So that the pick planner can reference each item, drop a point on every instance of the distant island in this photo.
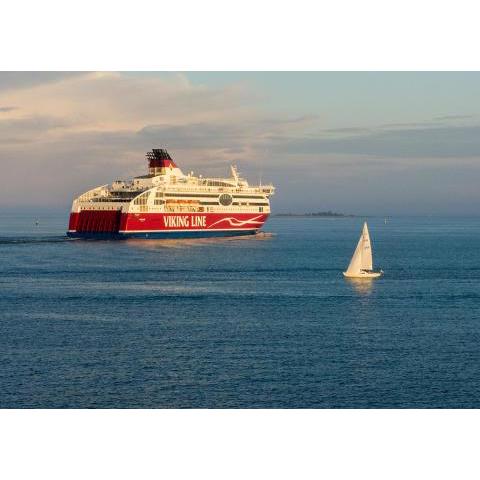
(314, 214)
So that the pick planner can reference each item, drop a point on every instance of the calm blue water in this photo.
(241, 323)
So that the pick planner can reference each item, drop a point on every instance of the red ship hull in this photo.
(115, 224)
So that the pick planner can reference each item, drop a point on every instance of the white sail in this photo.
(367, 263)
(356, 261)
(362, 257)
(361, 265)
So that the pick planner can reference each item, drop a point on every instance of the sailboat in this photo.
(361, 264)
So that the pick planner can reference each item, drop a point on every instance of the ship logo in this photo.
(234, 222)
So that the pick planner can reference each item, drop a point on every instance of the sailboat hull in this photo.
(363, 275)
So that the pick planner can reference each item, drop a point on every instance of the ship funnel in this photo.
(159, 160)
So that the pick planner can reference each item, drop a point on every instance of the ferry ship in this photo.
(166, 203)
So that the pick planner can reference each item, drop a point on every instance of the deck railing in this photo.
(103, 194)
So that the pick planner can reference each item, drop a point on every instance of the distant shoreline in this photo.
(315, 214)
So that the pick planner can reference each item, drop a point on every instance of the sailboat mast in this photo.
(367, 260)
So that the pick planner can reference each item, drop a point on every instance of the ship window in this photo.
(260, 209)
(217, 183)
(142, 199)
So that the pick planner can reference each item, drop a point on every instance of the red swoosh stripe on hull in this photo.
(97, 221)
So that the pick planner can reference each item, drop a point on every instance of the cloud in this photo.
(108, 101)
(228, 134)
(21, 80)
(453, 117)
(64, 133)
(196, 135)
(30, 129)
(450, 142)
(348, 130)
(79, 130)
(388, 126)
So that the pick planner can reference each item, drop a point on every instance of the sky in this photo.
(366, 143)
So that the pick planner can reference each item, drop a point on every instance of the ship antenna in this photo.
(261, 166)
(234, 170)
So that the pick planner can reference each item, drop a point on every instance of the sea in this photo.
(260, 322)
